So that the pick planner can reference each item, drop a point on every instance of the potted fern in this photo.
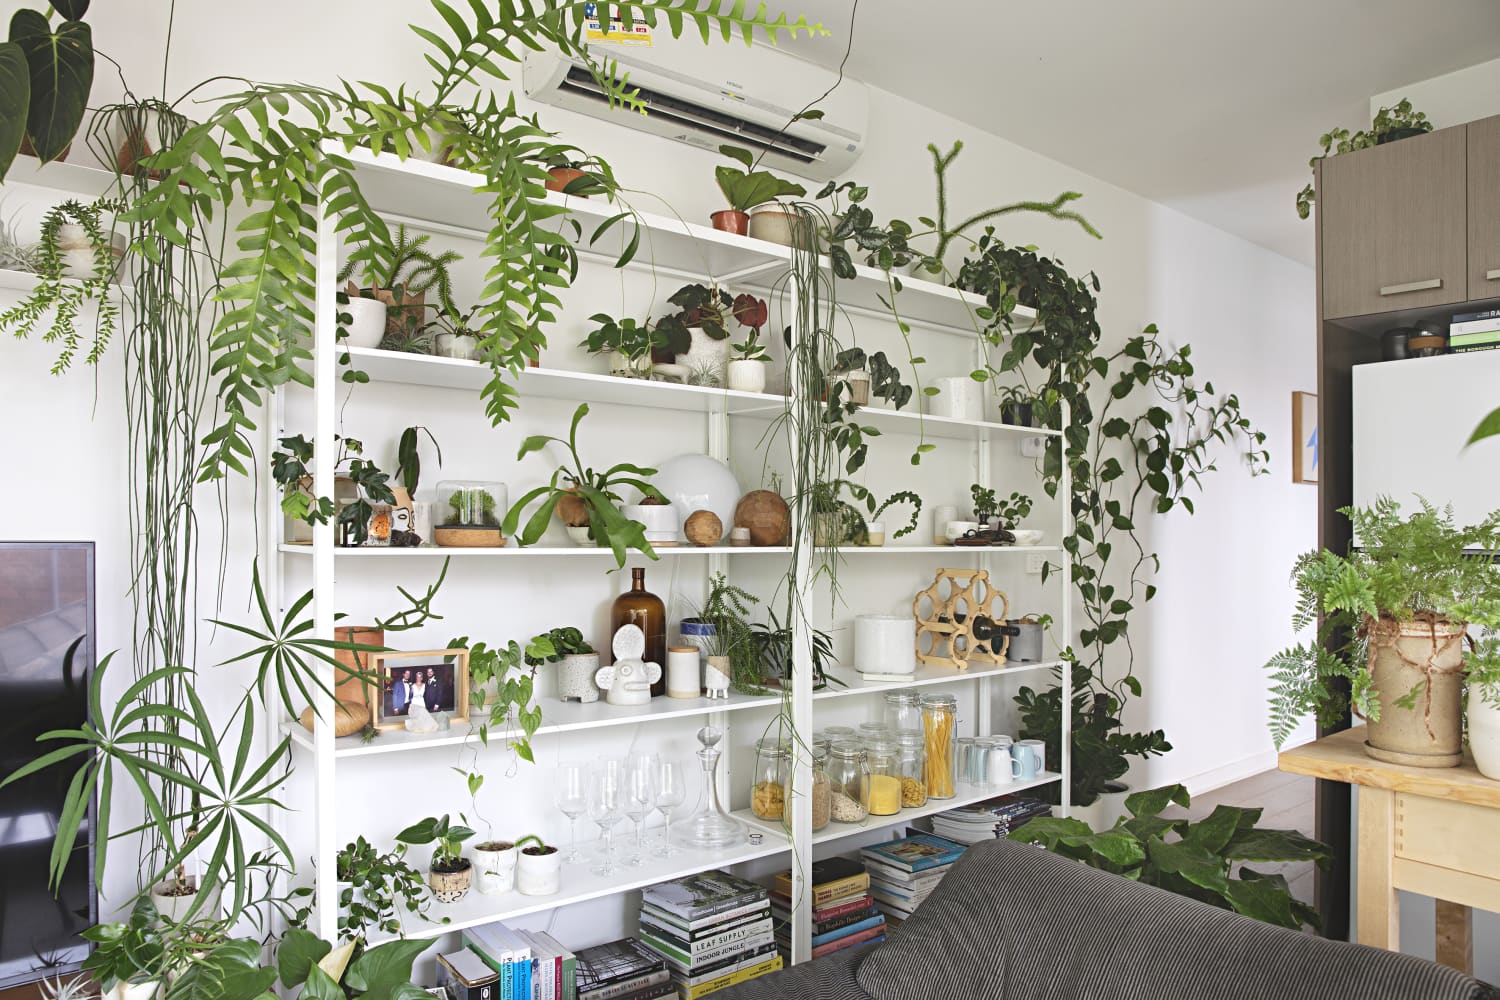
(1392, 619)
(399, 278)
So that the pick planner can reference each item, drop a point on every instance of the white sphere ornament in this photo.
(697, 482)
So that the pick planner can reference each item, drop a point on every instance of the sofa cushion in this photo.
(1014, 922)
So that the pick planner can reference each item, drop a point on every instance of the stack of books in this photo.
(904, 872)
(988, 820)
(1474, 331)
(712, 930)
(530, 965)
(844, 914)
(622, 970)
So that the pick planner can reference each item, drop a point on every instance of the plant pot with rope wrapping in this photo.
(1417, 670)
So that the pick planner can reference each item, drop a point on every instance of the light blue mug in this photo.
(1024, 762)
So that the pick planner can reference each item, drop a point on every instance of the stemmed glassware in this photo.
(640, 799)
(571, 797)
(671, 792)
(606, 803)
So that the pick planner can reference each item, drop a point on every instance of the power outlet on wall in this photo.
(1032, 447)
(1035, 561)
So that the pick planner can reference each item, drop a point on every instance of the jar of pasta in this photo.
(939, 712)
(772, 772)
(885, 781)
(911, 763)
(849, 782)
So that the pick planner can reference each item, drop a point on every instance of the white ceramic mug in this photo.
(1041, 752)
(1023, 762)
(940, 518)
(1000, 761)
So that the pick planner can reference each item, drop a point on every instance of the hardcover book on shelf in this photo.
(567, 964)
(704, 935)
(885, 873)
(833, 878)
(705, 894)
(625, 961)
(872, 936)
(713, 970)
(857, 928)
(916, 853)
(784, 921)
(668, 919)
(763, 965)
(830, 911)
(691, 955)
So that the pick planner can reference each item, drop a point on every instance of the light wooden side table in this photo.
(1433, 831)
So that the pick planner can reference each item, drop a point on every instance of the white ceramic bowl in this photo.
(1028, 536)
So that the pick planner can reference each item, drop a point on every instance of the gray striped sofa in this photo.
(1014, 922)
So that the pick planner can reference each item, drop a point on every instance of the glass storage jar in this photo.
(822, 789)
(910, 768)
(849, 782)
(469, 513)
(885, 782)
(772, 769)
(963, 756)
(903, 711)
(939, 712)
(836, 733)
(871, 732)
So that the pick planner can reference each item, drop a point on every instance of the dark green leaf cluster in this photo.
(1204, 860)
(380, 887)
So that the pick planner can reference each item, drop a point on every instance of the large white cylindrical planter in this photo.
(366, 327)
(958, 397)
(885, 644)
(1484, 734)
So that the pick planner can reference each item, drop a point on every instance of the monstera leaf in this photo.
(61, 67)
(232, 971)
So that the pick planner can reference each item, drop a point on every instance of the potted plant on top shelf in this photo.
(585, 498)
(750, 188)
(1400, 121)
(702, 322)
(629, 345)
(571, 171)
(398, 278)
(450, 873)
(1392, 617)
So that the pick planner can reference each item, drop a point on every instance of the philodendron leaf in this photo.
(1153, 801)
(298, 952)
(15, 96)
(231, 971)
(1275, 845)
(1262, 899)
(71, 10)
(1190, 862)
(61, 67)
(382, 970)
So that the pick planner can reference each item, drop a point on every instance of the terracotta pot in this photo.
(730, 221)
(350, 688)
(450, 887)
(572, 510)
(1427, 656)
(559, 178)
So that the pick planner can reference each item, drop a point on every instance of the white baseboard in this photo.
(1228, 774)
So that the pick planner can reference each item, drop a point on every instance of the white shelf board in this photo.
(580, 885)
(951, 550)
(966, 795)
(928, 303)
(430, 192)
(68, 178)
(557, 717)
(377, 552)
(911, 422)
(924, 676)
(26, 281)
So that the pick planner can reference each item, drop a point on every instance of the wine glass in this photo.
(571, 797)
(606, 802)
(640, 799)
(671, 792)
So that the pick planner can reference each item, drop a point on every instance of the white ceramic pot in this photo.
(661, 521)
(959, 398)
(1484, 733)
(495, 871)
(580, 536)
(458, 346)
(705, 354)
(874, 533)
(539, 874)
(575, 677)
(135, 991)
(747, 376)
(773, 223)
(885, 644)
(1112, 804)
(1028, 536)
(367, 322)
(175, 908)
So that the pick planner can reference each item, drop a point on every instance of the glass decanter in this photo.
(710, 826)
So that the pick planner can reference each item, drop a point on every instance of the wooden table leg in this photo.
(1455, 936)
(1378, 915)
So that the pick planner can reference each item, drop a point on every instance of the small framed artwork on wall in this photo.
(417, 686)
(1305, 447)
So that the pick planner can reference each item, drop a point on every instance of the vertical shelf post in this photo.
(800, 799)
(1065, 492)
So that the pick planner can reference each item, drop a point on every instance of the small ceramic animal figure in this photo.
(629, 681)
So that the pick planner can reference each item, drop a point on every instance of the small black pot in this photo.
(1397, 134)
(1393, 344)
(1019, 414)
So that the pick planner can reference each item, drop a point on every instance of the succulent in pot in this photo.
(450, 873)
(579, 662)
(1392, 620)
(746, 189)
(539, 867)
(746, 371)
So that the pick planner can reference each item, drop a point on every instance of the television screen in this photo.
(46, 604)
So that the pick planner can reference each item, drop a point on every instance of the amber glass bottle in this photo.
(639, 607)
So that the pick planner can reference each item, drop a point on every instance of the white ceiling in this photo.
(1207, 106)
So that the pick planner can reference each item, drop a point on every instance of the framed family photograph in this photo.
(413, 685)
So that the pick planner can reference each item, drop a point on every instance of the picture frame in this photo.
(439, 677)
(1306, 449)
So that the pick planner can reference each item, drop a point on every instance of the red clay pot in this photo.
(561, 177)
(730, 221)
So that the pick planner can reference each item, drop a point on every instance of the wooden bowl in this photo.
(459, 536)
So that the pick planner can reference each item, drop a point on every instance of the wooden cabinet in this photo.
(1484, 208)
(1393, 231)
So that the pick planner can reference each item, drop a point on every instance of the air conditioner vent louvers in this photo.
(733, 130)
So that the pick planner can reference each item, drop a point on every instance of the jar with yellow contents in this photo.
(911, 763)
(772, 772)
(939, 713)
(885, 781)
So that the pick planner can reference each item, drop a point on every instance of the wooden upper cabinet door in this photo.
(1393, 233)
(1484, 208)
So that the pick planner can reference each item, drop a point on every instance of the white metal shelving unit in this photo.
(445, 200)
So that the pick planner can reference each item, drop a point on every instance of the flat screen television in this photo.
(46, 604)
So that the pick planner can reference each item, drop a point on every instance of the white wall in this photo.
(1224, 603)
(1451, 99)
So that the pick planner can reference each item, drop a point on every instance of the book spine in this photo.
(715, 943)
(831, 912)
(656, 992)
(691, 927)
(1475, 348)
(1476, 326)
(700, 913)
(1470, 317)
(843, 932)
(1468, 339)
(675, 932)
(626, 986)
(713, 970)
(772, 964)
(685, 963)
(570, 977)
(825, 895)
(864, 937)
